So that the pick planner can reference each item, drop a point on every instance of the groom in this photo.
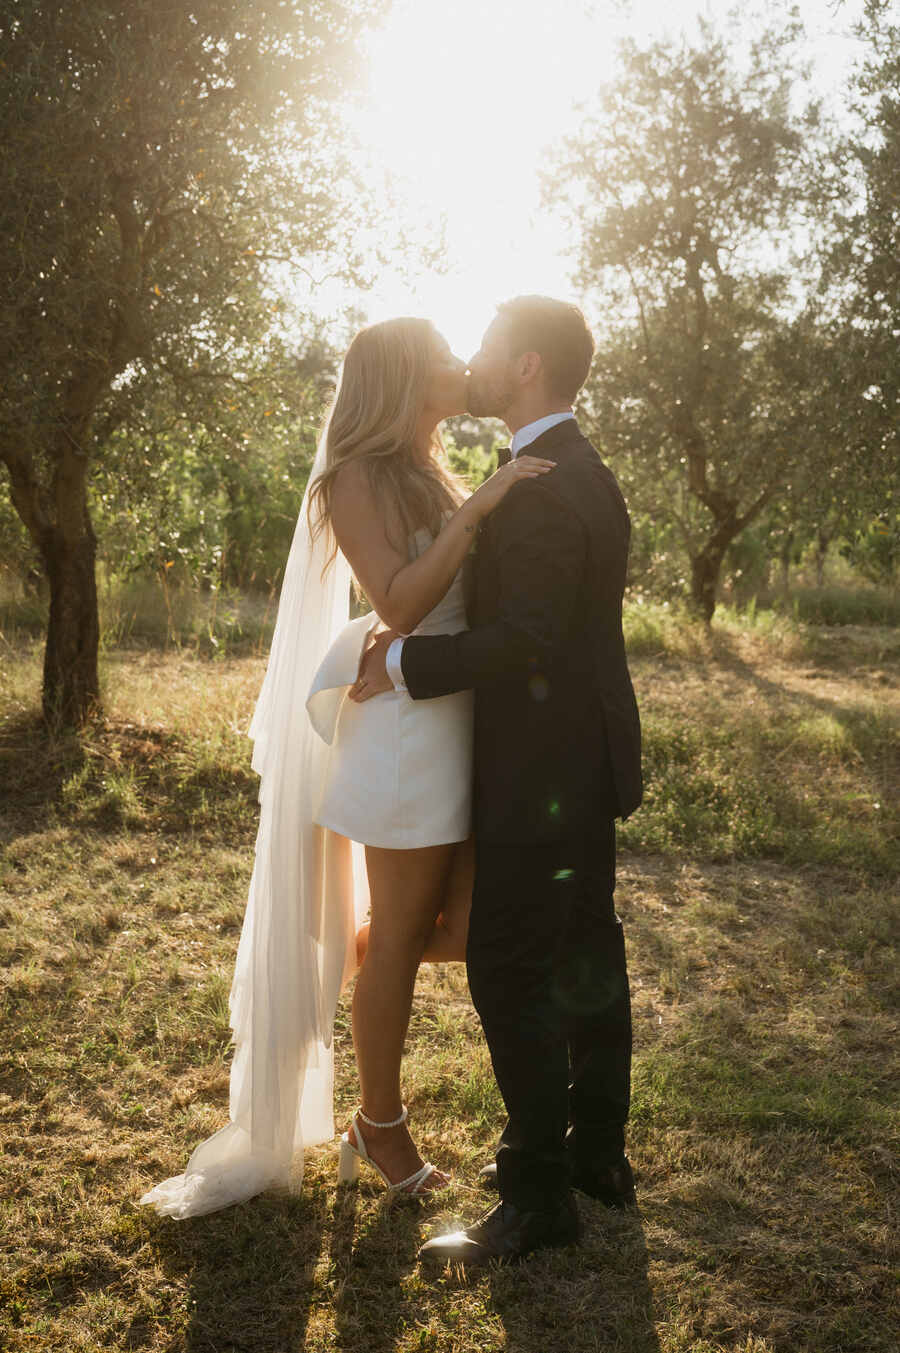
(557, 759)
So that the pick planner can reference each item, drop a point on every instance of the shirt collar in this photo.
(531, 431)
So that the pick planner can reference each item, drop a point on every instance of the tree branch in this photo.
(26, 493)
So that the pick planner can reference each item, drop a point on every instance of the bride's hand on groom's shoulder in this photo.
(494, 490)
(372, 678)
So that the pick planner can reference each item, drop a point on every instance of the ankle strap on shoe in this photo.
(395, 1122)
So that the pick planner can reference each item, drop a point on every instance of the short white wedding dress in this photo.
(390, 772)
(399, 773)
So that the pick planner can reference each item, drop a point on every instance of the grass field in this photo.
(758, 887)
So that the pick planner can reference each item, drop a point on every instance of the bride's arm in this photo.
(402, 593)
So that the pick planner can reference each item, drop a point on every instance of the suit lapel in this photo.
(555, 444)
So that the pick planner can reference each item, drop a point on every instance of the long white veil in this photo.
(297, 943)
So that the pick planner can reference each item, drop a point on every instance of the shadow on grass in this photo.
(750, 767)
(775, 1083)
(250, 1273)
(575, 1299)
(34, 764)
(372, 1255)
(112, 776)
(778, 1012)
(596, 1296)
(725, 650)
(257, 1274)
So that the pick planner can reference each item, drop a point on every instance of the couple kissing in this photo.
(449, 765)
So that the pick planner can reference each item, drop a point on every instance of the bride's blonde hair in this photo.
(373, 419)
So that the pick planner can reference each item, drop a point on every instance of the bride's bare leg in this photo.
(362, 943)
(447, 941)
(407, 890)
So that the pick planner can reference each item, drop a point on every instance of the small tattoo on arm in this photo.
(470, 529)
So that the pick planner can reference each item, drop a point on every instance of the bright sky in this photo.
(463, 100)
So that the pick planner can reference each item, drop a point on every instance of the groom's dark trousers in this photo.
(557, 758)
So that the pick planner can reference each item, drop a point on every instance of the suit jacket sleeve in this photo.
(539, 549)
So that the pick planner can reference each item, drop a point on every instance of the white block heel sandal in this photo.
(348, 1166)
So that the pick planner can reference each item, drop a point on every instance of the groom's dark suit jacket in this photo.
(557, 735)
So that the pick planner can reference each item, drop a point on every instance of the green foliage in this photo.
(857, 382)
(164, 161)
(875, 551)
(871, 245)
(471, 445)
(162, 168)
(843, 606)
(19, 559)
(691, 180)
(656, 563)
(213, 501)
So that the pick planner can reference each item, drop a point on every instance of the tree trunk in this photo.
(823, 540)
(71, 683)
(705, 569)
(706, 565)
(58, 520)
(787, 550)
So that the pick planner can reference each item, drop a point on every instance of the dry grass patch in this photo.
(749, 753)
(763, 1124)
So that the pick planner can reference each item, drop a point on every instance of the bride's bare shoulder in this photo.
(352, 494)
(356, 509)
(351, 480)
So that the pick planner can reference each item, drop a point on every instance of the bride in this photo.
(391, 774)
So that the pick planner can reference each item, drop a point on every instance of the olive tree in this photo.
(692, 196)
(865, 274)
(157, 163)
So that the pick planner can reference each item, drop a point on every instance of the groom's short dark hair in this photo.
(559, 332)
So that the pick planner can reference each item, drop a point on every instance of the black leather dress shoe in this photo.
(506, 1233)
(612, 1185)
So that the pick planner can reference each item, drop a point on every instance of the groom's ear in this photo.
(530, 365)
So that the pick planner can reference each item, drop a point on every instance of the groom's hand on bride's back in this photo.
(372, 678)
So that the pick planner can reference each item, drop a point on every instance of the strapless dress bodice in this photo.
(449, 615)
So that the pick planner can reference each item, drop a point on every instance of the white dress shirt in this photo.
(531, 431)
(522, 437)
